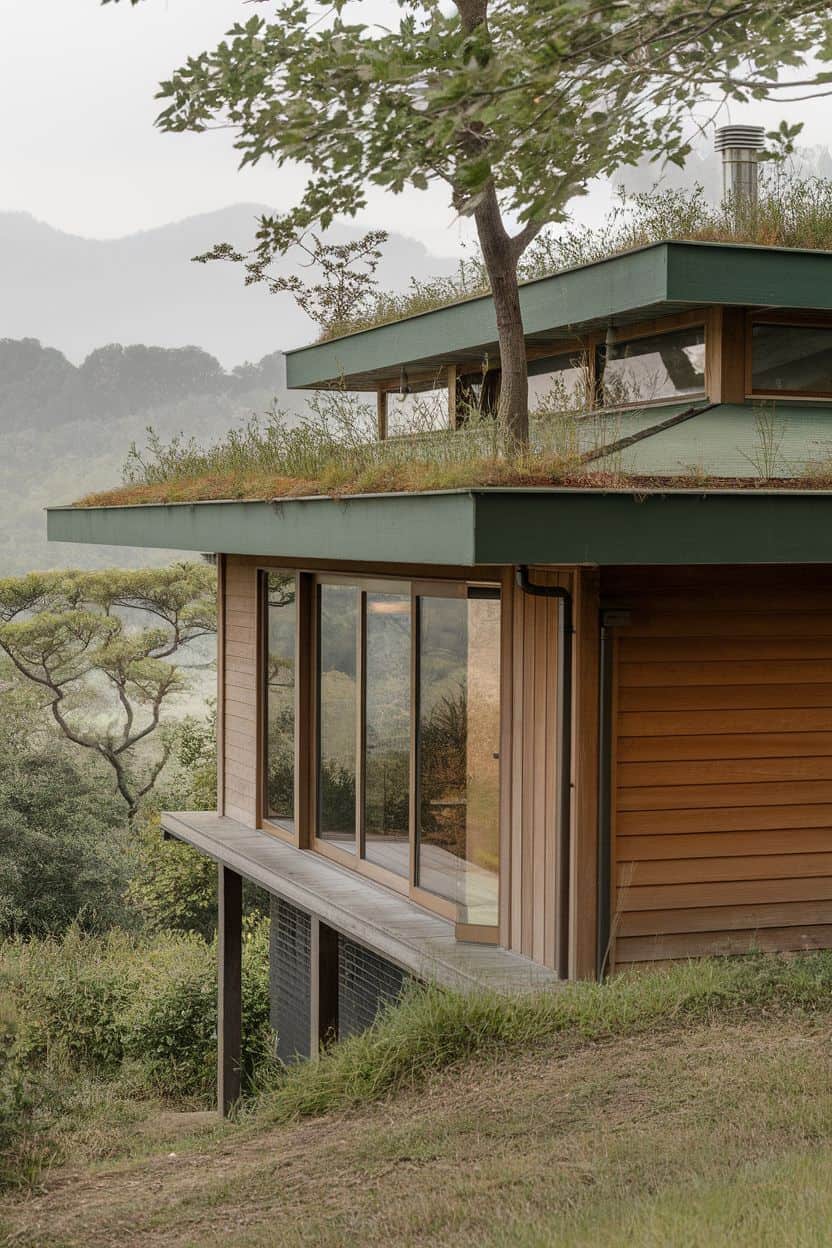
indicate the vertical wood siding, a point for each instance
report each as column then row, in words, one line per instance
column 241, row 731
column 534, row 779
column 723, row 784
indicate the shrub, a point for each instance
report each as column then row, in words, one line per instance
column 141, row 1010
column 25, row 1097
column 70, row 994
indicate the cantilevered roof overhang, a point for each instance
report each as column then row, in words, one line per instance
column 646, row 282
column 469, row 528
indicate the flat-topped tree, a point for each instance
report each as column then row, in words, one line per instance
column 69, row 635
column 515, row 104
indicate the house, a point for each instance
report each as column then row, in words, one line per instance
column 508, row 736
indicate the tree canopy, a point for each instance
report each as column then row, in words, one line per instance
column 515, row 104
column 74, row 636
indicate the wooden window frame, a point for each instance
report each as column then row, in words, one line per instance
column 307, row 739
column 267, row 822
column 658, row 328
column 787, row 319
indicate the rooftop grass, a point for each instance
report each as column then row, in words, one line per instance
column 334, row 452
column 791, row 212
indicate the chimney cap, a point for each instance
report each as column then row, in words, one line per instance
column 750, row 137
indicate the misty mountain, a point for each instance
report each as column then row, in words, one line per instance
column 73, row 399
column 66, row 429
column 79, row 293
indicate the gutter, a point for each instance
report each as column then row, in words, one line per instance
column 564, row 678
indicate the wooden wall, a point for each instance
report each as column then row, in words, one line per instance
column 536, row 928
column 239, row 727
column 722, row 802
column 530, row 804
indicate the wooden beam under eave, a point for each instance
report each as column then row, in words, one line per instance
column 381, row 413
column 725, row 355
column 229, row 988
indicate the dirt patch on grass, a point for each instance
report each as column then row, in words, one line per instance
column 479, row 1156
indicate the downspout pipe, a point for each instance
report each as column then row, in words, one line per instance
column 564, row 677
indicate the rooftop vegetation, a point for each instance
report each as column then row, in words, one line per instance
column 791, row 212
column 334, row 451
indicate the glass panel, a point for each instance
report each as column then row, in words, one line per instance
column 791, row 357
column 458, row 755
column 558, row 385
column 387, row 732
column 664, row 366
column 280, row 698
column 419, row 412
column 337, row 692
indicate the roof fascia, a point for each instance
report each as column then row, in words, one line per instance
column 396, row 528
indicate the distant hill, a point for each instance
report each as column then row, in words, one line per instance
column 79, row 293
column 65, row 429
column 72, row 398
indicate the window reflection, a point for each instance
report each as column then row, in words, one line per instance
column 419, row 411
column 387, row 732
column 792, row 358
column 663, row 366
column 559, row 384
column 280, row 697
column 337, row 711
column 458, row 752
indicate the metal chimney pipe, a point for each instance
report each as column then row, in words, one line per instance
column 739, row 146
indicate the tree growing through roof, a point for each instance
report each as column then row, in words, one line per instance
column 75, row 638
column 514, row 104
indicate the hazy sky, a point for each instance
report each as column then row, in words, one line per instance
column 80, row 151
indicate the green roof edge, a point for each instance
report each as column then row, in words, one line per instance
column 484, row 526
column 683, row 272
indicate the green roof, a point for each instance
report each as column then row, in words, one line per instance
column 484, row 527
column 648, row 281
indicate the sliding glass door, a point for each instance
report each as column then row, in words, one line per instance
column 408, row 738
column 458, row 751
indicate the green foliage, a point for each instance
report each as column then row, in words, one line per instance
column 67, row 633
column 139, row 1010
column 170, row 1029
column 791, row 212
column 25, row 1096
column 346, row 286
column 335, row 450
column 63, row 857
column 432, row 1030
column 473, row 96
column 174, row 887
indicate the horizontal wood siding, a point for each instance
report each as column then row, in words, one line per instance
column 723, row 776
column 241, row 735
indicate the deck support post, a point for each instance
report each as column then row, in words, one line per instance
column 323, row 987
column 229, row 988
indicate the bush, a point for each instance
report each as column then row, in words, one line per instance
column 70, row 994
column 25, row 1098
column 140, row 1010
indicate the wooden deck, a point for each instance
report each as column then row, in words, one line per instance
column 391, row 925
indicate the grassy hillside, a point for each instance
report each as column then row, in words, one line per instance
column 688, row 1107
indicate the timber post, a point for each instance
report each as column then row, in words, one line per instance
column 229, row 988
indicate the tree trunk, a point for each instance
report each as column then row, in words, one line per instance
column 500, row 255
